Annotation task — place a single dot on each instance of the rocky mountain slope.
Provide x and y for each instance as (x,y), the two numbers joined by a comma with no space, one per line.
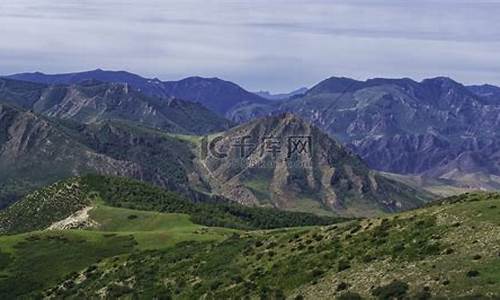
(436,127)
(218,95)
(35,151)
(285,162)
(93,101)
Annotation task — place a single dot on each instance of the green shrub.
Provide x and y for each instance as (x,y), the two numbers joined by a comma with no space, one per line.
(472,273)
(350,296)
(394,290)
(343,265)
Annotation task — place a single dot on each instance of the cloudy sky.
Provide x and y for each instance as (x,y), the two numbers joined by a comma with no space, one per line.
(275,45)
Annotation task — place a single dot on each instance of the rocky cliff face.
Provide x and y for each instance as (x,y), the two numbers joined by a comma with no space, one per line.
(287,163)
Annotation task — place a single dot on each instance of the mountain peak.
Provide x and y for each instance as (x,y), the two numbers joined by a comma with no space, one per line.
(285,161)
(442,81)
(344,85)
(204,80)
(214,93)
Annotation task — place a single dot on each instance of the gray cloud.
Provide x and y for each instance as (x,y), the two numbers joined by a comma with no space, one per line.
(274,44)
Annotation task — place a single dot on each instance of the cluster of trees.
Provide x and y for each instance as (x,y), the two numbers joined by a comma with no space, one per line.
(128,193)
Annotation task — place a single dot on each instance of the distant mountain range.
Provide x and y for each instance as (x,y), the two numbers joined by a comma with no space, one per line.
(436,129)
(268,95)
(218,95)
(92,101)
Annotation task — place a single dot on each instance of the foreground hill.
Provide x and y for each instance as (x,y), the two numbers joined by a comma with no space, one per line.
(95,101)
(66,199)
(287,163)
(445,250)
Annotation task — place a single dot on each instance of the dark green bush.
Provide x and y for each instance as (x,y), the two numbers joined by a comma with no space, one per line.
(350,296)
(343,265)
(394,290)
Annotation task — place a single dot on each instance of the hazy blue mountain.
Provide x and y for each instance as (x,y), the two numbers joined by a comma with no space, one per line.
(488,92)
(269,96)
(436,127)
(145,85)
(216,94)
(93,101)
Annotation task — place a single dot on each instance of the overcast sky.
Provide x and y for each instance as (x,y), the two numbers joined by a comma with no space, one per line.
(275,45)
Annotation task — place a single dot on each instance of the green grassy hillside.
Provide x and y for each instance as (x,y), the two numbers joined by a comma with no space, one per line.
(145,243)
(122,219)
(153,230)
(32,262)
(448,250)
(118,227)
(57,202)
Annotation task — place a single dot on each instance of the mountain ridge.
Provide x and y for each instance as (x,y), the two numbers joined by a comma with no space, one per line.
(214,93)
(93,101)
(403,126)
